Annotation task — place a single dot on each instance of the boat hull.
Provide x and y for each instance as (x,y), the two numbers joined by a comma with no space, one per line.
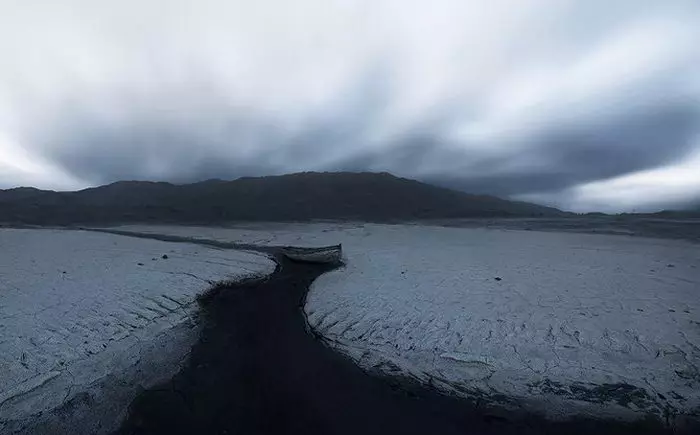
(324,255)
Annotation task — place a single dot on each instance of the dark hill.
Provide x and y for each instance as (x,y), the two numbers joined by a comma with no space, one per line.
(294,197)
(20,193)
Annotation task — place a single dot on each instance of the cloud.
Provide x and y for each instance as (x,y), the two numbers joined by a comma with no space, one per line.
(669,187)
(559,158)
(18,167)
(535,99)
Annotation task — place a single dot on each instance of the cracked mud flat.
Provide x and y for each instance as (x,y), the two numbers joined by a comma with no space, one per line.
(257,369)
(87,320)
(563,324)
(577,324)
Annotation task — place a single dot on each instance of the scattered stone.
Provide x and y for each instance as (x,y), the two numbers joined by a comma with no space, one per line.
(639,309)
(671,310)
(140,264)
(164,257)
(498,278)
(670,265)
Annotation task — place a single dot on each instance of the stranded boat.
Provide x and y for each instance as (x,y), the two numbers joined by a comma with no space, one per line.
(326,254)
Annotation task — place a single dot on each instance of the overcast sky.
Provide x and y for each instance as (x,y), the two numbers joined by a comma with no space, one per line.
(586,104)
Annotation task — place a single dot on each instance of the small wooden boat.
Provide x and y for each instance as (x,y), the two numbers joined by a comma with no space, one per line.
(325,255)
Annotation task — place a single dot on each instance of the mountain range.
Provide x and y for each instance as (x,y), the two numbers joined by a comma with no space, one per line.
(376,197)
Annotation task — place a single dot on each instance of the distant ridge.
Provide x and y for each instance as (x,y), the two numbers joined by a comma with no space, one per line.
(377,197)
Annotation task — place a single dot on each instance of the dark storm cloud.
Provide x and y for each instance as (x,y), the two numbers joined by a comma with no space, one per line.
(200,148)
(171,139)
(651,138)
(507,98)
(172,150)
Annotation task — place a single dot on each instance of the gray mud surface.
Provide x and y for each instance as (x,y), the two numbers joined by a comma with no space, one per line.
(258,369)
(624,225)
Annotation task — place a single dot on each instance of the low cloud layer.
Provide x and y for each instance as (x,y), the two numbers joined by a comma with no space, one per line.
(584,105)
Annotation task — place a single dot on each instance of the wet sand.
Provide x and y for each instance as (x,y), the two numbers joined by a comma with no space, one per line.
(258,370)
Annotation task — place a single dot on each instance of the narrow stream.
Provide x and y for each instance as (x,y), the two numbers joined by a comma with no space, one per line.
(257,370)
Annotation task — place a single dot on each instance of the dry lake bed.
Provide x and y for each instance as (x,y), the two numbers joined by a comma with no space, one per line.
(564,325)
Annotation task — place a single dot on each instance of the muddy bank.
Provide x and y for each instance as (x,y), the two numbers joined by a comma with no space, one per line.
(257,370)
(88,320)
